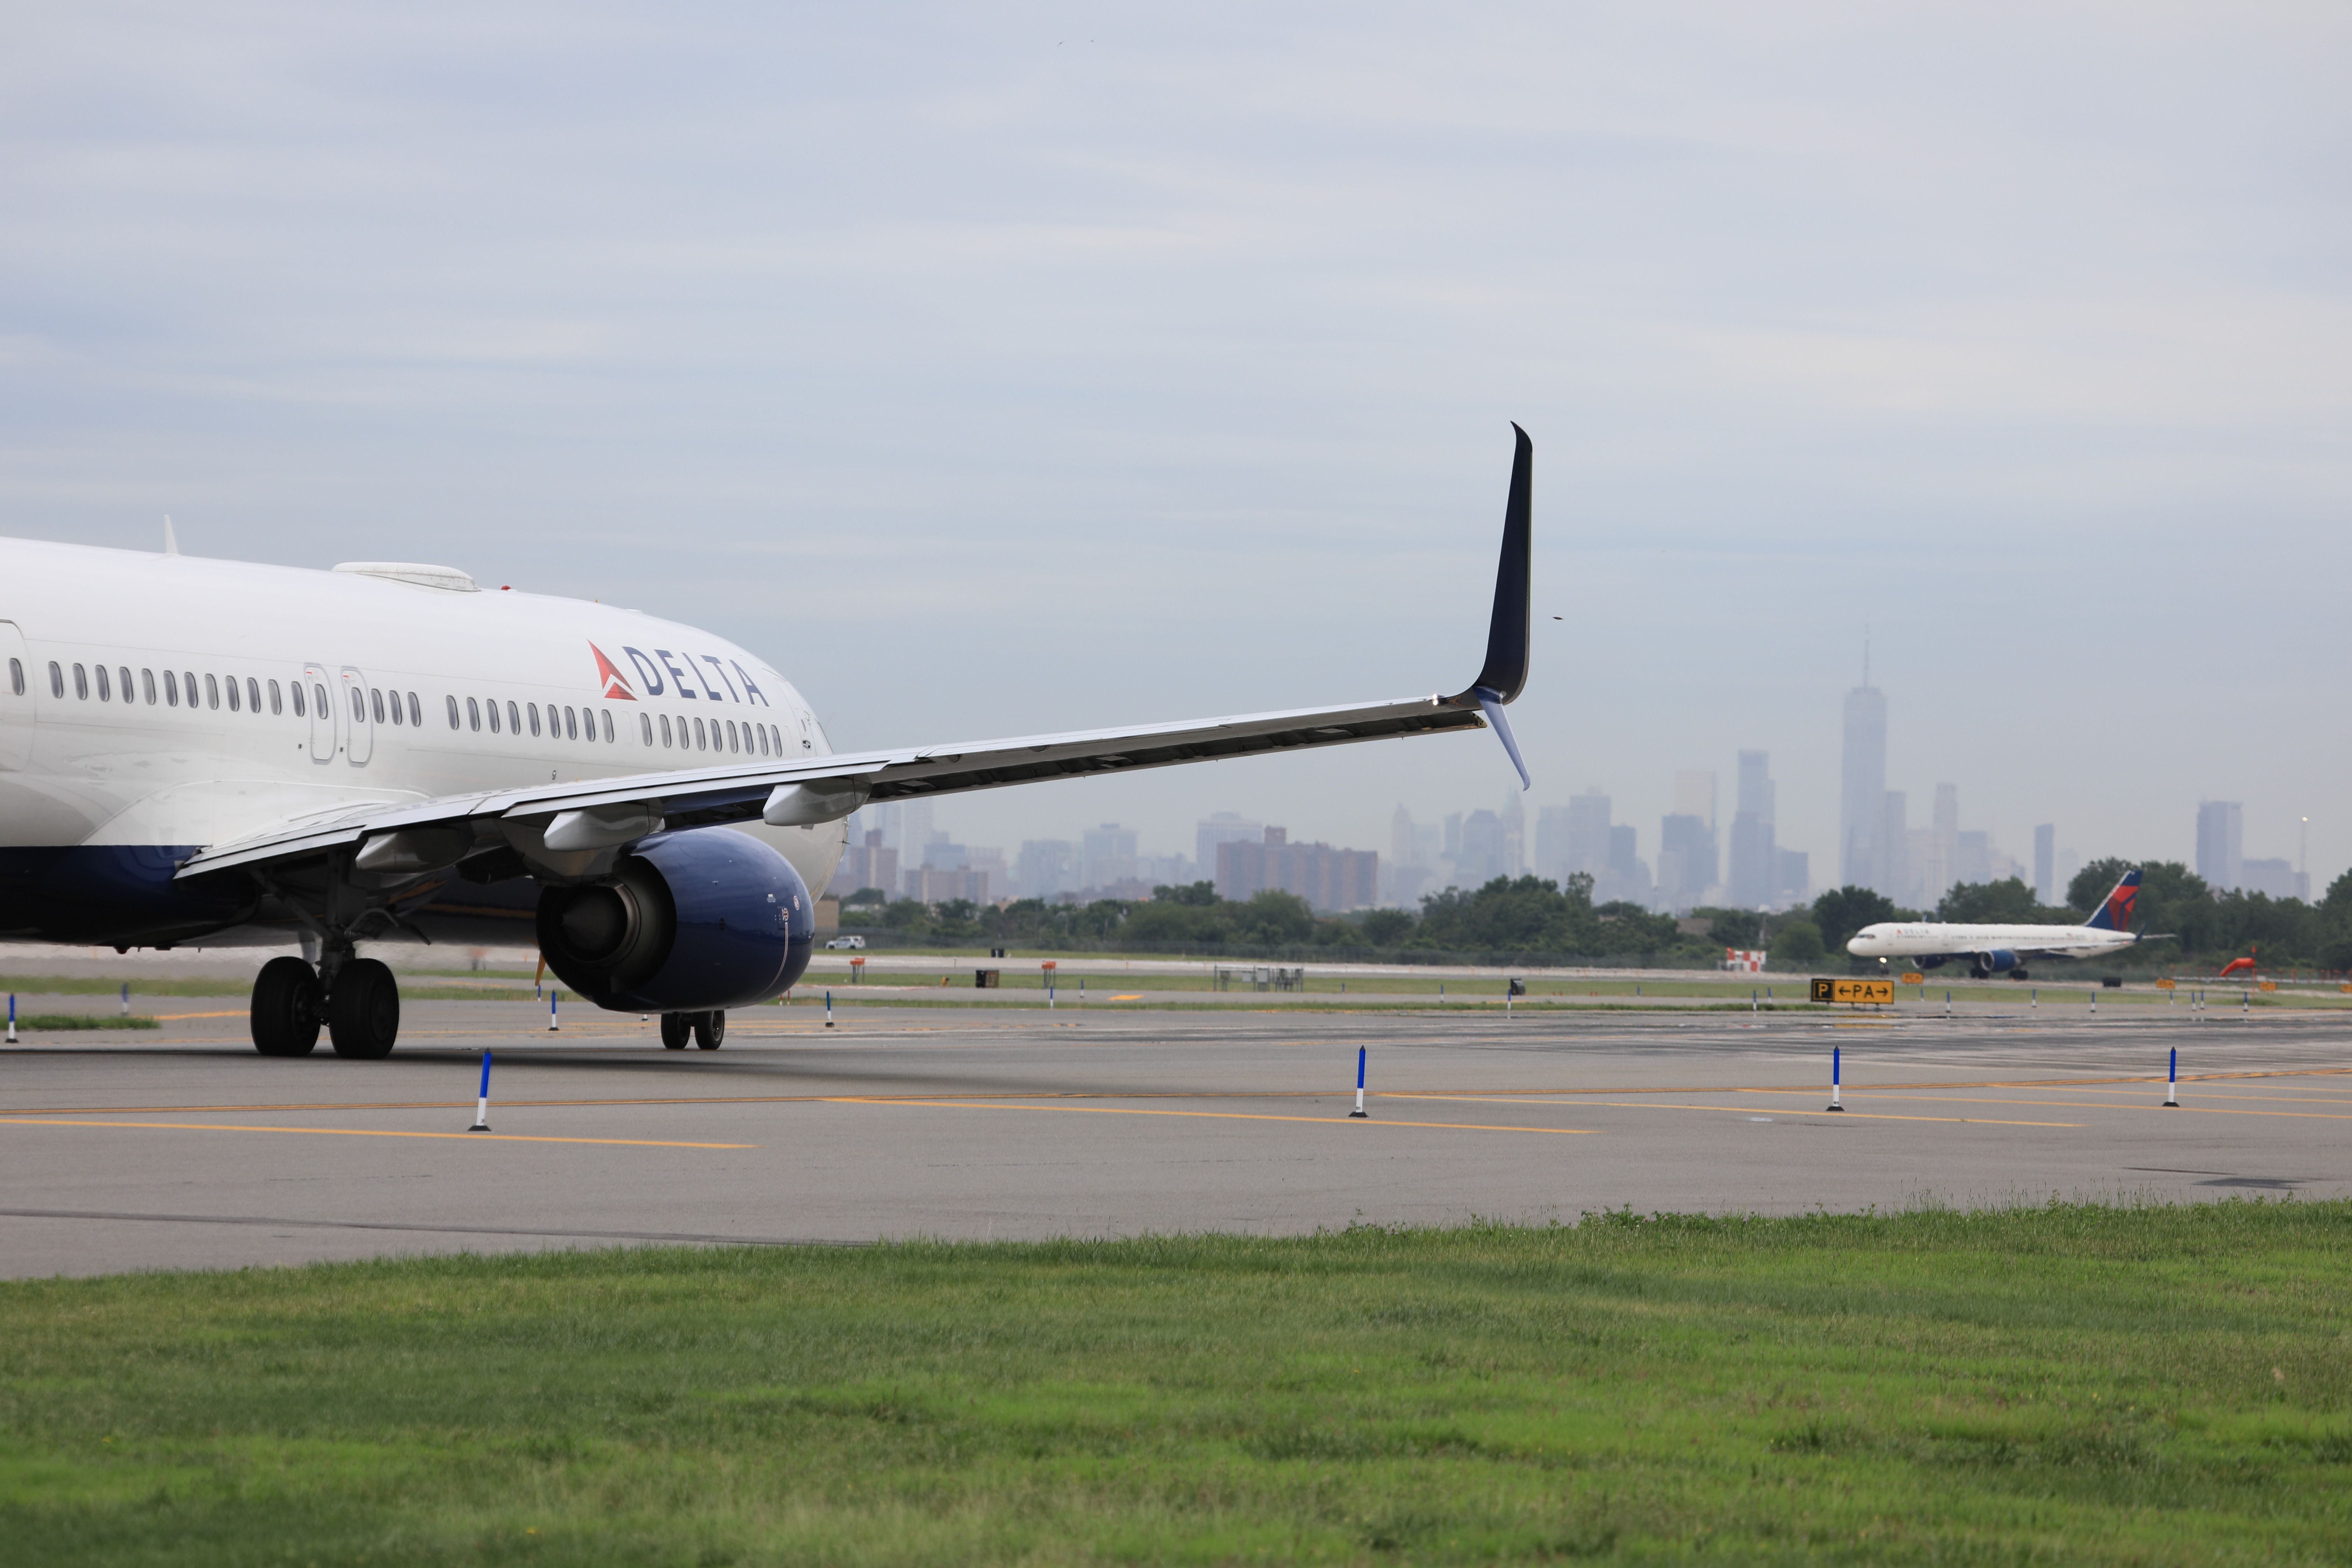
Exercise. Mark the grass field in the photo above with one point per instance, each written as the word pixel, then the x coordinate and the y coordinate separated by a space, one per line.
pixel 2073 1384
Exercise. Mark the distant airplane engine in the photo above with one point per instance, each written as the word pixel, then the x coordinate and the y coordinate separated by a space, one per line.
pixel 2000 961
pixel 687 922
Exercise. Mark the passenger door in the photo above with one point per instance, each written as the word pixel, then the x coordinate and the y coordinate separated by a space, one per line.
pixel 19 699
pixel 361 745
pixel 321 704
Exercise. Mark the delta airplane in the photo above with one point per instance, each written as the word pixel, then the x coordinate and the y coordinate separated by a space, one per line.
pixel 2003 949
pixel 214 751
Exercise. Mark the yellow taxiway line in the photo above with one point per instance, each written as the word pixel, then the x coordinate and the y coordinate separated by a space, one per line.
pixel 359 1132
pixel 1206 1115
pixel 1739 1110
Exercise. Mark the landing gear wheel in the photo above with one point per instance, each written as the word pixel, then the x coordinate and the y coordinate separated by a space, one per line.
pixel 363 1010
pixel 2019 974
pixel 709 1029
pixel 674 1026
pixel 286 1008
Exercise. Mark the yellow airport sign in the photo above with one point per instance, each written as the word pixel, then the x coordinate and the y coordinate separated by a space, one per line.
pixel 2267 985
pixel 1915 978
pixel 2165 984
pixel 1856 990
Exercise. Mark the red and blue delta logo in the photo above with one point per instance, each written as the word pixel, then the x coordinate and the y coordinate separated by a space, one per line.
pixel 2119 906
pixel 616 685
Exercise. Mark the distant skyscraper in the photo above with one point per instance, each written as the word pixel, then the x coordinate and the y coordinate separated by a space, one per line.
pixel 2221 858
pixel 1862 803
pixel 1225 827
pixel 1482 856
pixel 1626 877
pixel 1754 869
pixel 1588 833
pixel 1694 794
pixel 2046 861
pixel 1515 835
pixel 1892 848
pixel 1685 860
pixel 1106 855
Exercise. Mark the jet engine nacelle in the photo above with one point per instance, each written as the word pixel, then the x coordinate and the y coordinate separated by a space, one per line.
pixel 2000 961
pixel 686 923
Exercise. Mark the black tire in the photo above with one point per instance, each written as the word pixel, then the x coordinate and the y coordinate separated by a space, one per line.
pixel 674 1027
pixel 363 1011
pixel 286 1008
pixel 709 1029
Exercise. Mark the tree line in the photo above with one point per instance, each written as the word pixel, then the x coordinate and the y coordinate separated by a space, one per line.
pixel 1533 916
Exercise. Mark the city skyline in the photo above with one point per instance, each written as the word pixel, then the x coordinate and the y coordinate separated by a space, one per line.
pixel 1017 389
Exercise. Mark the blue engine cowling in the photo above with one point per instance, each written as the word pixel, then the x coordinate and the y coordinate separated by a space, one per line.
pixel 2000 961
pixel 687 922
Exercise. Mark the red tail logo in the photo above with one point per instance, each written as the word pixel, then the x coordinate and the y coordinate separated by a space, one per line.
pixel 616 685
pixel 2120 907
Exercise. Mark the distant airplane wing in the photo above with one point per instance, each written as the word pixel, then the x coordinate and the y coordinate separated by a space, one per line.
pixel 593 814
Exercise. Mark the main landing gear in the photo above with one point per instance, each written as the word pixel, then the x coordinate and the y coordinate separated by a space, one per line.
pixel 707 1029
pixel 356 998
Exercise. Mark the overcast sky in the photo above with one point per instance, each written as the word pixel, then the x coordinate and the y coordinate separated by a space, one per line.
pixel 1012 368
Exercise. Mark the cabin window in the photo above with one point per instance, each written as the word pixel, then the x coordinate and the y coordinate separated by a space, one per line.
pixel 533 710
pixel 415 711
pixel 16 676
pixel 147 686
pixel 473 714
pixel 571 725
pixel 397 716
pixel 734 741
pixel 81 683
pixel 494 715
pixel 236 703
pixel 375 701
pixel 319 699
pixel 277 700
pixel 608 726
pixel 253 694
pixel 665 731
pixel 125 672
pixel 105 687
pixel 452 712
pixel 212 690
pixel 188 680
pixel 298 698
pixel 171 689
pixel 646 728
pixel 701 741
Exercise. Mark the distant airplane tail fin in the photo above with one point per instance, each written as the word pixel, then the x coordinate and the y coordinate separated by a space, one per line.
pixel 2116 913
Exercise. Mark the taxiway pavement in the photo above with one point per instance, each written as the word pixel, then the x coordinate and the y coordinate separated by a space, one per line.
pixel 181 1148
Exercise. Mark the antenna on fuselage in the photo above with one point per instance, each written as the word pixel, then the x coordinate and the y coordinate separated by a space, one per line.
pixel 170 540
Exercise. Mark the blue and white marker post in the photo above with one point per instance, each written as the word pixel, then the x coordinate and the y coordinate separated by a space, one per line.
pixel 1359 1111
pixel 828 1009
pixel 126 998
pixel 551 1009
pixel 482 1106
pixel 2172 1081
pixel 12 1017
pixel 1837 1063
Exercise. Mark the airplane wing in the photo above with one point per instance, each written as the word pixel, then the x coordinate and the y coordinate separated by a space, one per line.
pixel 593 814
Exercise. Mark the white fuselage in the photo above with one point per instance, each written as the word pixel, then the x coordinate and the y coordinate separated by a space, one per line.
pixel 429 691
pixel 1935 939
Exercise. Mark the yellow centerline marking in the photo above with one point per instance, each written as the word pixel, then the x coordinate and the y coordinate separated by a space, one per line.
pixel 1208 1115
pixel 176 1018
pixel 1655 1105
pixel 361 1132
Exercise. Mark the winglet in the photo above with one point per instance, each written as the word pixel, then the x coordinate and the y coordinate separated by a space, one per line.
pixel 1506 671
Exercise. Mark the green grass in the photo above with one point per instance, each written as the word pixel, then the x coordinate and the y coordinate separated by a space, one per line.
pixel 2073 1384
pixel 45 1023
